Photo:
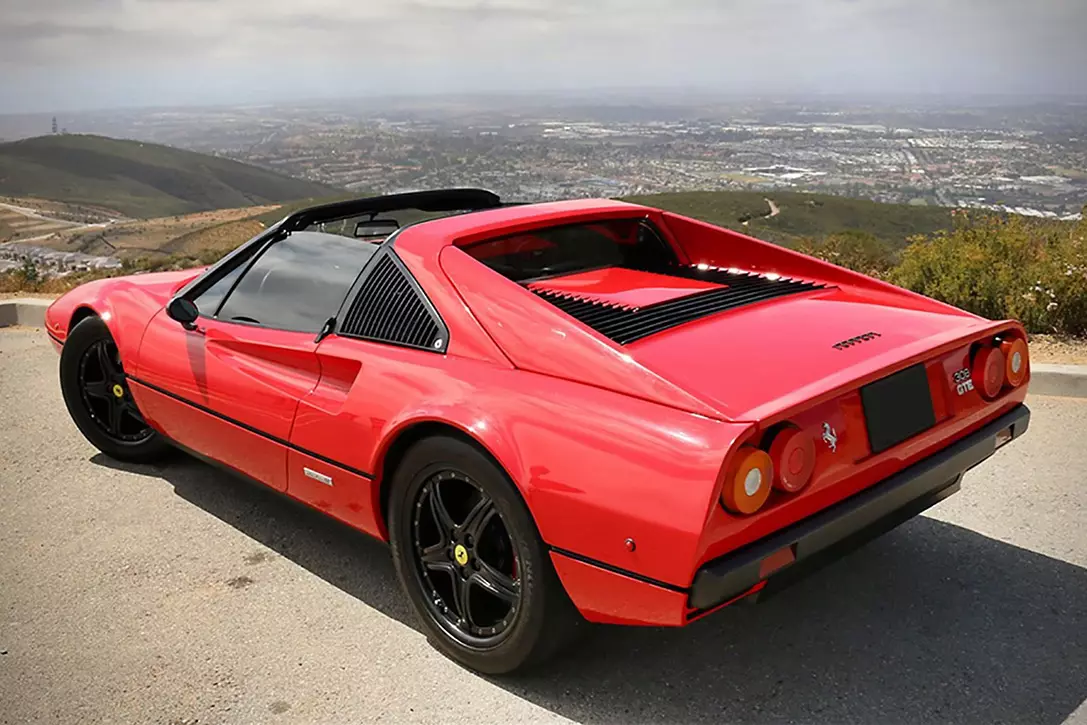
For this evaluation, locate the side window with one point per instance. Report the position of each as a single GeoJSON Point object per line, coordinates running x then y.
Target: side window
{"type": "Point", "coordinates": [208, 302]}
{"type": "Point", "coordinates": [298, 283]}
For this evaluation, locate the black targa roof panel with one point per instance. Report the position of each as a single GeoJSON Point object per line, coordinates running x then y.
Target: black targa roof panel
{"type": "Point", "coordinates": [440, 200]}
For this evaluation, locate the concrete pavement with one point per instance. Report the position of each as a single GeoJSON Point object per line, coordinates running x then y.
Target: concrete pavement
{"type": "Point", "coordinates": [176, 594]}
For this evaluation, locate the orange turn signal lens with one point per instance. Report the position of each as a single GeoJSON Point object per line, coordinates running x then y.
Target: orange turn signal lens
{"type": "Point", "coordinates": [748, 481]}
{"type": "Point", "coordinates": [1015, 356]}
{"type": "Point", "coordinates": [987, 371]}
{"type": "Point", "coordinates": [793, 456]}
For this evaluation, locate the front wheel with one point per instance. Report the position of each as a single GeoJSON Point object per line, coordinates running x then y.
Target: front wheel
{"type": "Point", "coordinates": [470, 559]}
{"type": "Point", "coordinates": [95, 390]}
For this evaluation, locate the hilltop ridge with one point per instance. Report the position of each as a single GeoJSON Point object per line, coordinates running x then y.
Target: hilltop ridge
{"type": "Point", "coordinates": [138, 179]}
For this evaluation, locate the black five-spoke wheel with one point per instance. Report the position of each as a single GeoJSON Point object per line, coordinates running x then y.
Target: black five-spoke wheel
{"type": "Point", "coordinates": [105, 393]}
{"type": "Point", "coordinates": [96, 392]}
{"type": "Point", "coordinates": [466, 559]}
{"type": "Point", "coordinates": [471, 560]}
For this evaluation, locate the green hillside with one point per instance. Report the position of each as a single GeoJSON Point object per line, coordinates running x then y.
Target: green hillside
{"type": "Point", "coordinates": [139, 179]}
{"type": "Point", "coordinates": [812, 216]}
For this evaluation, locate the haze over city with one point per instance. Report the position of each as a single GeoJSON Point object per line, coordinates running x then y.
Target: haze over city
{"type": "Point", "coordinates": [86, 54]}
{"type": "Point", "coordinates": [935, 105]}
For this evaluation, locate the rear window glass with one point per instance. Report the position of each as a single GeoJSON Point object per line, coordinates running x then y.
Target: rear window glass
{"type": "Point", "coordinates": [630, 243]}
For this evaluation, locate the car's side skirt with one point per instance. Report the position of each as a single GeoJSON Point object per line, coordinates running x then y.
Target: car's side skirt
{"type": "Point", "coordinates": [249, 428]}
{"type": "Point", "coordinates": [281, 495]}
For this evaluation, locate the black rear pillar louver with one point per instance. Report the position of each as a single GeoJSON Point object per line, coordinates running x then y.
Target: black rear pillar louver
{"type": "Point", "coordinates": [625, 325]}
{"type": "Point", "coordinates": [388, 308]}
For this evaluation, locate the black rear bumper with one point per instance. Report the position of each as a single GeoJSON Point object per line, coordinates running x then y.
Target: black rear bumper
{"type": "Point", "coordinates": [846, 525]}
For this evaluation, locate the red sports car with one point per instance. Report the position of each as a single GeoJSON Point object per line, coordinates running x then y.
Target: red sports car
{"type": "Point", "coordinates": [584, 410]}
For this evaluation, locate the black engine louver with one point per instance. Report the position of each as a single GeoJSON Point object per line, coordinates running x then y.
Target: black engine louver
{"type": "Point", "coordinates": [387, 308]}
{"type": "Point", "coordinates": [627, 325]}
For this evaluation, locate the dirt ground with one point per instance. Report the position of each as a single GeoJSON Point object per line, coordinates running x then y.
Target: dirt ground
{"type": "Point", "coordinates": [1058, 350]}
{"type": "Point", "coordinates": [168, 235]}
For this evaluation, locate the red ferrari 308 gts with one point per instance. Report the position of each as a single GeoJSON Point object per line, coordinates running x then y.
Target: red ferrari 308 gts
{"type": "Point", "coordinates": [585, 410]}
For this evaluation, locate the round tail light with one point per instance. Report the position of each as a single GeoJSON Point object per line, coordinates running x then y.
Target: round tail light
{"type": "Point", "coordinates": [987, 371]}
{"type": "Point", "coordinates": [793, 456]}
{"type": "Point", "coordinates": [1015, 365]}
{"type": "Point", "coordinates": [747, 484]}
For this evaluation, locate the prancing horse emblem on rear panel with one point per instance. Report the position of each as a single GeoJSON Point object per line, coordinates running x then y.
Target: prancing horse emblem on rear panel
{"type": "Point", "coordinates": [830, 437]}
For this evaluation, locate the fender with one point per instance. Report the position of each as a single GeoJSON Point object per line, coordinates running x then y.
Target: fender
{"type": "Point", "coordinates": [125, 304]}
{"type": "Point", "coordinates": [595, 468]}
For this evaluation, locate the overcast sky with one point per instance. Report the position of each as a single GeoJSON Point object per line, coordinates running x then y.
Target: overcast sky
{"type": "Point", "coordinates": [58, 54]}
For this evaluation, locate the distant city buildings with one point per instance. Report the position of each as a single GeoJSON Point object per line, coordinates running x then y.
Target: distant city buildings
{"type": "Point", "coordinates": [1030, 158]}
{"type": "Point", "coordinates": [534, 157]}
{"type": "Point", "coordinates": [14, 255]}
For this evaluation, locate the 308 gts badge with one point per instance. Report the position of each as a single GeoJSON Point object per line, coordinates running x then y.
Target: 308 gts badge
{"type": "Point", "coordinates": [963, 382]}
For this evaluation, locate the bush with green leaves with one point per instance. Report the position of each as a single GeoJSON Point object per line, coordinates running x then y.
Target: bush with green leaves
{"type": "Point", "coordinates": [1029, 269]}
{"type": "Point", "coordinates": [859, 251]}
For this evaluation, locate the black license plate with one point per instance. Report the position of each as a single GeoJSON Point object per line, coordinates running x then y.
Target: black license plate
{"type": "Point", "coordinates": [897, 407]}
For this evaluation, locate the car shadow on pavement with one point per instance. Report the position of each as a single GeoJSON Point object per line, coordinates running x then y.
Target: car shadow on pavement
{"type": "Point", "coordinates": [358, 564]}
{"type": "Point", "coordinates": [930, 623]}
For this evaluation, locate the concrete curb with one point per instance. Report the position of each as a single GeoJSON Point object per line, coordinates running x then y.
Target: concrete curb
{"type": "Point", "coordinates": [23, 311]}
{"type": "Point", "coordinates": [1064, 380]}
{"type": "Point", "coordinates": [1067, 380]}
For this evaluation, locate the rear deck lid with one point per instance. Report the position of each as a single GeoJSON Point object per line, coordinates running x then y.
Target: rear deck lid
{"type": "Point", "coordinates": [754, 362]}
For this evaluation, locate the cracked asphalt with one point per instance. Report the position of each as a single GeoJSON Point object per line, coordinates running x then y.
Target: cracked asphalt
{"type": "Point", "coordinates": [176, 594]}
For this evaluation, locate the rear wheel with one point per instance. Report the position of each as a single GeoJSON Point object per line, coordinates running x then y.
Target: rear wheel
{"type": "Point", "coordinates": [95, 389]}
{"type": "Point", "coordinates": [470, 559]}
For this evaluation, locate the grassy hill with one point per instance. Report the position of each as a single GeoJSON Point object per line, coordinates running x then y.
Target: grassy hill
{"type": "Point", "coordinates": [812, 216]}
{"type": "Point", "coordinates": [139, 179]}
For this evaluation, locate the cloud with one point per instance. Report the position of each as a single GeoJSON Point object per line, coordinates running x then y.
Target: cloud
{"type": "Point", "coordinates": [127, 50]}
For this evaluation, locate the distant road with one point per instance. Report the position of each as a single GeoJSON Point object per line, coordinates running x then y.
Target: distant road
{"type": "Point", "coordinates": [32, 213]}
{"type": "Point", "coordinates": [68, 226]}
{"type": "Point", "coordinates": [773, 212]}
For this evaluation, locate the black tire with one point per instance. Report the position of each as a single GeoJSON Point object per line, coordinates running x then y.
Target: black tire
{"type": "Point", "coordinates": [489, 639]}
{"type": "Point", "coordinates": [91, 376]}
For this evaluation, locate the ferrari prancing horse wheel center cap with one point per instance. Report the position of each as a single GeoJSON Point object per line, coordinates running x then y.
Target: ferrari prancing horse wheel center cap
{"type": "Point", "coordinates": [118, 391]}
{"type": "Point", "coordinates": [460, 554]}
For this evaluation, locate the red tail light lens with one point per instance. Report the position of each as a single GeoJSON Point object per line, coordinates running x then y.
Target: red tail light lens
{"type": "Point", "coordinates": [793, 456]}
{"type": "Point", "coordinates": [748, 481]}
{"type": "Point", "coordinates": [987, 371]}
{"type": "Point", "coordinates": [1015, 365]}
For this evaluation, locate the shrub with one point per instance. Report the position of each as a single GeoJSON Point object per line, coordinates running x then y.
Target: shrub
{"type": "Point", "coordinates": [25, 279]}
{"type": "Point", "coordinates": [30, 272]}
{"type": "Point", "coordinates": [1030, 269]}
{"type": "Point", "coordinates": [856, 250]}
